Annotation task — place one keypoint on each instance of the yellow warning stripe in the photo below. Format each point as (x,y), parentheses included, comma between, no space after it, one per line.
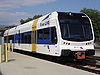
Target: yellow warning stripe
(34,35)
(45,20)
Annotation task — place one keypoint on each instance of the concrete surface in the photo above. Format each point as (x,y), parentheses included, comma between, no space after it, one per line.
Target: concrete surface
(20,64)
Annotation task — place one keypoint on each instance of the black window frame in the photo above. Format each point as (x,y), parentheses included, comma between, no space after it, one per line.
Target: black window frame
(51,35)
(26,38)
(70,19)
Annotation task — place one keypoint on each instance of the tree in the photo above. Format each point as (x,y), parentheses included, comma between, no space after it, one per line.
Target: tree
(22,21)
(29,19)
(36,16)
(95,17)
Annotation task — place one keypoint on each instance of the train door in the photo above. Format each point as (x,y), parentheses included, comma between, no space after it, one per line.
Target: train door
(34,36)
(43,40)
(53,46)
(46,40)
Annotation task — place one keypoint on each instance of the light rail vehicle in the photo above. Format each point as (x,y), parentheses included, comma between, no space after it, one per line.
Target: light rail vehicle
(60,34)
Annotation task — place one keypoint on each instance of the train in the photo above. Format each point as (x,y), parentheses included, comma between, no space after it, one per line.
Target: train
(60,34)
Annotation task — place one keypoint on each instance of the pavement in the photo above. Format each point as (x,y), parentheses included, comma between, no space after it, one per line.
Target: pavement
(20,64)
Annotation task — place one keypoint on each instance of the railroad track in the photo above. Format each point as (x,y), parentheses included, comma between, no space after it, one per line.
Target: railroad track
(87,65)
(90,67)
(94,57)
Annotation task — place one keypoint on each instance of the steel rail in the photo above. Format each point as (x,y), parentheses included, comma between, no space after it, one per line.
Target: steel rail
(85,68)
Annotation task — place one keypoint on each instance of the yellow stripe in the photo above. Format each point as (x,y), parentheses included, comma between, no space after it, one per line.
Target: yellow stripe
(45,20)
(34,35)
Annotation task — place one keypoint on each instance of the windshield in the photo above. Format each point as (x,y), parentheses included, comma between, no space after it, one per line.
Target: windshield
(75,27)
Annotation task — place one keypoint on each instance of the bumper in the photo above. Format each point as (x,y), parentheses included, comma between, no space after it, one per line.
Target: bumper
(90,52)
(68,52)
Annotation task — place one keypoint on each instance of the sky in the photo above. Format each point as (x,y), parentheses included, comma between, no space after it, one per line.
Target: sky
(12,11)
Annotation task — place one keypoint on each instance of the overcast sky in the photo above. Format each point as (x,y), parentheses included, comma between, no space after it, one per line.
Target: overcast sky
(11,11)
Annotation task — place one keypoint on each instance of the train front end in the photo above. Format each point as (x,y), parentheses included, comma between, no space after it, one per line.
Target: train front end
(76,35)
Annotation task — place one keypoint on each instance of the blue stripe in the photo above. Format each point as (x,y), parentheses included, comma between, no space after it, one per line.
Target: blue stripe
(45,42)
(46,17)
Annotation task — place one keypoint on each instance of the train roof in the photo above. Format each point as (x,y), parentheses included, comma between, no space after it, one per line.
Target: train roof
(72,13)
(29,24)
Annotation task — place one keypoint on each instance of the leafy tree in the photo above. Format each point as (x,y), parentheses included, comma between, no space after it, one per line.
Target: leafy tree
(95,17)
(22,21)
(36,16)
(29,19)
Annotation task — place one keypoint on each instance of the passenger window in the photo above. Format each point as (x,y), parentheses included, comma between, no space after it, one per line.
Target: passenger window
(40,34)
(46,34)
(10,37)
(26,37)
(23,39)
(54,35)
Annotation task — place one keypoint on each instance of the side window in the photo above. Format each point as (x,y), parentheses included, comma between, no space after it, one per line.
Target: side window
(46,34)
(10,37)
(40,34)
(19,36)
(54,35)
(23,38)
(43,34)
(29,37)
(26,37)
